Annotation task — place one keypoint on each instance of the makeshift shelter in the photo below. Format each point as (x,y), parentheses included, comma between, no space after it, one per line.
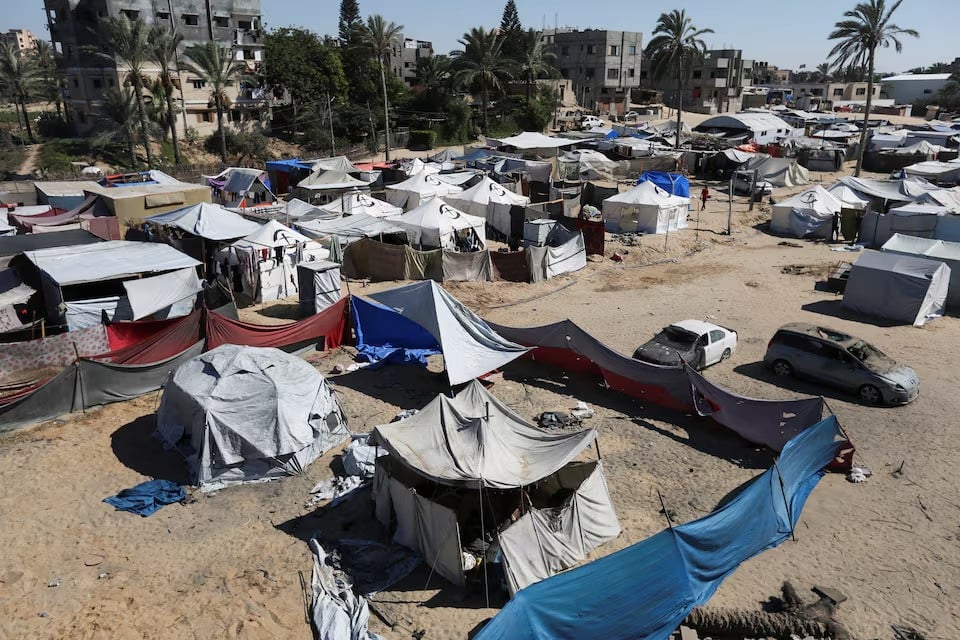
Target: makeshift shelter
(939,250)
(319,285)
(355,203)
(242,188)
(939,172)
(645,208)
(898,288)
(563,251)
(780,172)
(323,186)
(207,221)
(849,199)
(244,414)
(587,164)
(443,157)
(130,205)
(673,183)
(268,257)
(417,189)
(490,200)
(807,214)
(15,245)
(471,444)
(437,225)
(340,232)
(532,142)
(470,347)
(921,220)
(14,296)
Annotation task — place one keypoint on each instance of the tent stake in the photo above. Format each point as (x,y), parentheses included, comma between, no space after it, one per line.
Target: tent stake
(665,513)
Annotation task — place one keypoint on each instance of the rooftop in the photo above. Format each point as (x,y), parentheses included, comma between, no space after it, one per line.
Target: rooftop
(916,76)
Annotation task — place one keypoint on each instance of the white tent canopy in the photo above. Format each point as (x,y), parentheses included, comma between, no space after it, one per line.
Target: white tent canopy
(351,228)
(178,289)
(410,193)
(113,260)
(271,235)
(437,225)
(531,140)
(900,288)
(490,200)
(242,414)
(355,203)
(208,221)
(809,213)
(939,250)
(336,163)
(326,180)
(849,199)
(645,208)
(780,172)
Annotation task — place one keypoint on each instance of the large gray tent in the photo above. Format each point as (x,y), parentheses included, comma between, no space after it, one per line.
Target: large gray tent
(471,444)
(939,250)
(899,288)
(242,414)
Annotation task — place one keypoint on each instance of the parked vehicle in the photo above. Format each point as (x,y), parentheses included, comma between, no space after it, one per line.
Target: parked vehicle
(589,122)
(700,344)
(742,181)
(842,361)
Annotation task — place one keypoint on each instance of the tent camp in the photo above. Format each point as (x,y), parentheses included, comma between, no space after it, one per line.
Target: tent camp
(489,200)
(351,228)
(469,445)
(645,208)
(939,250)
(319,285)
(353,203)
(239,187)
(780,172)
(532,142)
(207,221)
(436,225)
(323,186)
(242,414)
(416,189)
(807,214)
(899,288)
(939,172)
(470,347)
(267,259)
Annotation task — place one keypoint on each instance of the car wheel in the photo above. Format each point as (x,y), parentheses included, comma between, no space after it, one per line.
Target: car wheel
(870,394)
(725,355)
(782,369)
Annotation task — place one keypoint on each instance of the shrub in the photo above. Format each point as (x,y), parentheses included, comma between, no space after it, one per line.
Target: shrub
(423,139)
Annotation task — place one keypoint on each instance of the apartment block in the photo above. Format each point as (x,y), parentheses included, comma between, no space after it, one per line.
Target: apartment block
(714,85)
(603,66)
(21,39)
(404,55)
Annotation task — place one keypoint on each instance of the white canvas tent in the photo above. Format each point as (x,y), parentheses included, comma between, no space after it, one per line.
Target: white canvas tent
(490,200)
(268,259)
(941,172)
(351,228)
(437,225)
(208,221)
(243,414)
(532,142)
(807,214)
(354,203)
(940,250)
(173,294)
(418,188)
(899,288)
(780,172)
(335,163)
(472,443)
(849,199)
(645,208)
(323,185)
(319,285)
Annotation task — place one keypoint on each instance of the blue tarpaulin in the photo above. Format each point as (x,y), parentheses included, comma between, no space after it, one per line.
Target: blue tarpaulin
(674,183)
(473,156)
(383,335)
(646,590)
(147,497)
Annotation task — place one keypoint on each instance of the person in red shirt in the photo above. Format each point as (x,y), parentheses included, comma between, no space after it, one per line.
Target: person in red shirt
(704,196)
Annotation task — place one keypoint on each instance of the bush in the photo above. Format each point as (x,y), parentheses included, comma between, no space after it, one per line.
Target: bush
(49,125)
(55,157)
(423,139)
(244,144)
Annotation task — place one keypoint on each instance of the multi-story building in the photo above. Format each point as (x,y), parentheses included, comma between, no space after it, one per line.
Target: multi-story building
(909,87)
(404,55)
(602,65)
(20,39)
(714,84)
(232,23)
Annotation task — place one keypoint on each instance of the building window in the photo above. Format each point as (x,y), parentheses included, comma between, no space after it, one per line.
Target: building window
(861,91)
(198,84)
(588,74)
(564,51)
(817,92)
(245,24)
(927,91)
(234,115)
(163,15)
(591,49)
(837,92)
(614,50)
(76,82)
(131,14)
(697,74)
(205,116)
(220,21)
(604,91)
(248,54)
(82,117)
(564,73)
(97,83)
(613,74)
(632,50)
(631,72)
(191,19)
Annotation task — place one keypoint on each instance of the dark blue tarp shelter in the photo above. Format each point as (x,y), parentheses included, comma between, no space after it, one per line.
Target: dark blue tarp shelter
(646,590)
(473,156)
(383,335)
(674,183)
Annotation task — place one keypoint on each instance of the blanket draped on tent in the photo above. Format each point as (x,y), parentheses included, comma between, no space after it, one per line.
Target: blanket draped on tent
(329,326)
(383,335)
(646,590)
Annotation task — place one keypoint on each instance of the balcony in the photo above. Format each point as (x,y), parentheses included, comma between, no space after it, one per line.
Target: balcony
(248,37)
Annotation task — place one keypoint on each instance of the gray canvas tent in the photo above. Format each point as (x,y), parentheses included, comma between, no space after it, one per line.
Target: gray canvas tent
(940,250)
(898,288)
(780,172)
(471,444)
(319,285)
(243,414)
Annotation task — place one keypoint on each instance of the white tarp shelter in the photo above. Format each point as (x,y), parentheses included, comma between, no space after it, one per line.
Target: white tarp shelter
(415,190)
(322,180)
(319,285)
(208,221)
(268,259)
(243,414)
(472,443)
(780,172)
(849,199)
(354,203)
(173,293)
(335,163)
(899,288)
(532,141)
(351,228)
(437,225)
(645,208)
(807,214)
(940,250)
(490,200)
(941,172)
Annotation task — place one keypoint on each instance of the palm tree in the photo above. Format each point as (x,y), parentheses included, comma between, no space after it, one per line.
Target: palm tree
(127,42)
(866,28)
(534,61)
(164,42)
(49,78)
(433,73)
(939,67)
(117,121)
(675,46)
(217,66)
(482,63)
(19,78)
(824,72)
(378,36)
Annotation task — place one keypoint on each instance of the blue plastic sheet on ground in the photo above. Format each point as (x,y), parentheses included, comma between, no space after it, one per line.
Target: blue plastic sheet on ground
(384,336)
(646,590)
(147,497)
(674,183)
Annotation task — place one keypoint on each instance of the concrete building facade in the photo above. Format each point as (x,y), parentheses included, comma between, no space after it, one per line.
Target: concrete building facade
(404,55)
(603,66)
(21,39)
(714,85)
(909,87)
(232,23)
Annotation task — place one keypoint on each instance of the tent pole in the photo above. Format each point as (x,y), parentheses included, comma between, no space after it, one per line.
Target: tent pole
(786,504)
(664,507)
(483,531)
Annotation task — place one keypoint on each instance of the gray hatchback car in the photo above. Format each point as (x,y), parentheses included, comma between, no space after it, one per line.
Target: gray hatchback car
(840,360)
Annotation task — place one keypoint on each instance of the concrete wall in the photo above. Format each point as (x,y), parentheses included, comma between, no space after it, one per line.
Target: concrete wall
(906,91)
(602,66)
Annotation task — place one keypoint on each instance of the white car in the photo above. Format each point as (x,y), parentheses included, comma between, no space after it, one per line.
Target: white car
(589,122)
(698,343)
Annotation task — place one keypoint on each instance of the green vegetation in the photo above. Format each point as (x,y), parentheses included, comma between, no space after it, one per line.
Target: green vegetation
(55,156)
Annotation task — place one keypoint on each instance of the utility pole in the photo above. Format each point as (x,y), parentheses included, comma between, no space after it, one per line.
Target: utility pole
(753,187)
(730,203)
(373,130)
(333,141)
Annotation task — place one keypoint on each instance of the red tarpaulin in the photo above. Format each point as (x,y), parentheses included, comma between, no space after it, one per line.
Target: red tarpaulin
(149,341)
(328,325)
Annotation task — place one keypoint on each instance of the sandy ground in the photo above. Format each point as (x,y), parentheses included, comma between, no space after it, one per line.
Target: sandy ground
(226,565)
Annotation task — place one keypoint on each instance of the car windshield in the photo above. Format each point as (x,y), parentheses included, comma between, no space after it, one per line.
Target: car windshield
(678,336)
(871,357)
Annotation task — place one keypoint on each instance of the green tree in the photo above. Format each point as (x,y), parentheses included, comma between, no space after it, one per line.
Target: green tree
(19,79)
(217,66)
(117,121)
(939,67)
(511,31)
(825,72)
(126,42)
(534,61)
(481,64)
(949,97)
(350,22)
(866,28)
(675,46)
(377,37)
(164,43)
(301,64)
(49,78)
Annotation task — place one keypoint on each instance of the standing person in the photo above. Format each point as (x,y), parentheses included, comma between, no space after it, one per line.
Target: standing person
(704,196)
(835,229)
